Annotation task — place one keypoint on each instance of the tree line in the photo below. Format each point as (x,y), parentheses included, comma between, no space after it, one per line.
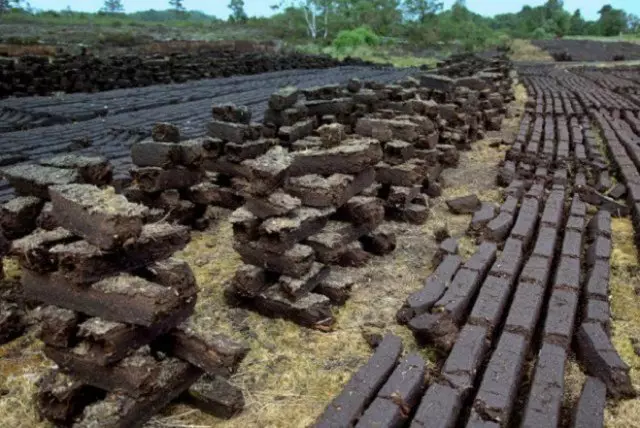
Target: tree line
(419,22)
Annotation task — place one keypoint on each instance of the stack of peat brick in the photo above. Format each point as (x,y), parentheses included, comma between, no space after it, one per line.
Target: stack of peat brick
(169,177)
(30,209)
(306,210)
(236,139)
(117,305)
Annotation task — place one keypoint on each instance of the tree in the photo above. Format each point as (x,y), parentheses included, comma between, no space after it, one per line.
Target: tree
(311,10)
(577,24)
(422,10)
(7,5)
(612,21)
(633,23)
(176,5)
(113,6)
(237,11)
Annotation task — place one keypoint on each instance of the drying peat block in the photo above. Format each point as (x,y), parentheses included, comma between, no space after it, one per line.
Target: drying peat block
(19,215)
(35,180)
(102,217)
(93,169)
(79,262)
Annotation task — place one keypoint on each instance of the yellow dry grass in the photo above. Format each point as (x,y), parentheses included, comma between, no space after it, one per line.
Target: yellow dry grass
(524,50)
(625,311)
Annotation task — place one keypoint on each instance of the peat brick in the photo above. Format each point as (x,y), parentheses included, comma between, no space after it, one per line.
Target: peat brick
(598,280)
(575,224)
(440,408)
(498,390)
(482,259)
(524,312)
(238,152)
(545,398)
(294,262)
(317,191)
(122,298)
(578,207)
(154,179)
(165,133)
(398,396)
(352,157)
(464,204)
(18,216)
(118,410)
(80,262)
(269,170)
(57,326)
(161,155)
(466,357)
(598,311)
(35,180)
(484,215)
(589,410)
(32,251)
(93,169)
(546,242)
(249,280)
(380,242)
(536,271)
(231,132)
(311,310)
(229,112)
(216,396)
(284,98)
(572,244)
(568,274)
(337,286)
(61,398)
(349,405)
(491,303)
(561,315)
(498,229)
(12,321)
(365,210)
(510,205)
(100,216)
(600,249)
(297,287)
(276,204)
(459,295)
(282,233)
(510,262)
(434,287)
(406,174)
(600,359)
(45,219)
(215,354)
(600,225)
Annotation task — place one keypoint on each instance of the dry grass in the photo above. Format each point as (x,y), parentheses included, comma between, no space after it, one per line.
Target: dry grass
(625,310)
(524,50)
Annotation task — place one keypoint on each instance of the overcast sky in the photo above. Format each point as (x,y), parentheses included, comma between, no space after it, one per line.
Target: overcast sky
(219,8)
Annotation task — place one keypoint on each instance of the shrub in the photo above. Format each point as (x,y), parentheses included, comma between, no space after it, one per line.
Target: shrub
(540,34)
(351,39)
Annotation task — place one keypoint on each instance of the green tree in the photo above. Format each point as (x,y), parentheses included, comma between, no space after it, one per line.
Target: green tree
(422,10)
(577,23)
(237,11)
(612,21)
(113,6)
(176,5)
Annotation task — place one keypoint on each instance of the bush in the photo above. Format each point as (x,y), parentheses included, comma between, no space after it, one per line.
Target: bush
(351,39)
(540,34)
